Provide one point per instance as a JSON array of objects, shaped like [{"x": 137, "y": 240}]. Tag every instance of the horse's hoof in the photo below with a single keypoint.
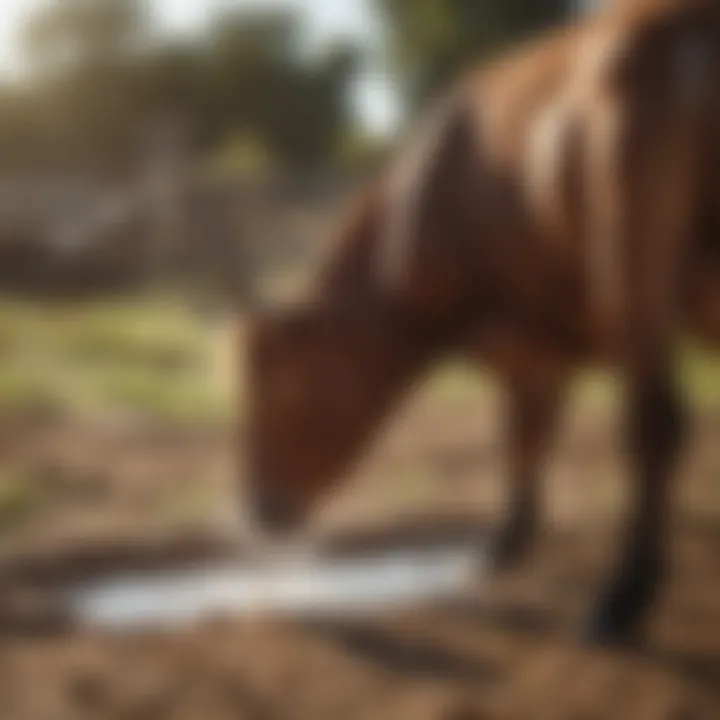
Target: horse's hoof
[
  {"x": 603, "y": 630},
  {"x": 511, "y": 546},
  {"x": 508, "y": 553},
  {"x": 618, "y": 619}
]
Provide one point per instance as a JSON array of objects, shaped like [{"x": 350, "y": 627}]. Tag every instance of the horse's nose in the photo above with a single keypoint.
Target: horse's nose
[{"x": 273, "y": 511}]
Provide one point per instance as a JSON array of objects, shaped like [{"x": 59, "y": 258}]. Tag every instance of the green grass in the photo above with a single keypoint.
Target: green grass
[
  {"x": 19, "y": 501},
  {"x": 459, "y": 384},
  {"x": 700, "y": 376},
  {"x": 153, "y": 358},
  {"x": 159, "y": 360}
]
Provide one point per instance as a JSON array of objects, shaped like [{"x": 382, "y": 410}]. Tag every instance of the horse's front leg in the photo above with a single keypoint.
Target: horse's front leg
[
  {"x": 646, "y": 180},
  {"x": 534, "y": 378},
  {"x": 533, "y": 403},
  {"x": 655, "y": 429}
]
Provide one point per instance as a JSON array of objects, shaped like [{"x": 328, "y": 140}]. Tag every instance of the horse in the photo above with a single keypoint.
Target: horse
[{"x": 554, "y": 208}]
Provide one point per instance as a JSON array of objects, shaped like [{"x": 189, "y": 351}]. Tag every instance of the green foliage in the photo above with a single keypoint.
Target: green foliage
[
  {"x": 103, "y": 80},
  {"x": 432, "y": 40},
  {"x": 80, "y": 32},
  {"x": 242, "y": 153},
  {"x": 261, "y": 84},
  {"x": 360, "y": 151},
  {"x": 85, "y": 91}
]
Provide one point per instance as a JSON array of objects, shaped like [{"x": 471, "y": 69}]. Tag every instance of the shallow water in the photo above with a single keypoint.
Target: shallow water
[{"x": 289, "y": 586}]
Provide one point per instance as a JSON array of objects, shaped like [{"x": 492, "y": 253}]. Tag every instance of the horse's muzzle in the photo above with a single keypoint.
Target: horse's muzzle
[{"x": 274, "y": 512}]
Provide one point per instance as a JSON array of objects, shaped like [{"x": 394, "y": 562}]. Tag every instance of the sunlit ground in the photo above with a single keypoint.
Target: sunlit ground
[
  {"x": 77, "y": 381},
  {"x": 116, "y": 421}
]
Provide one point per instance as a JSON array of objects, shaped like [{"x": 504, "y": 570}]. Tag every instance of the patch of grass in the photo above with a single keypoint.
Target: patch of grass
[
  {"x": 181, "y": 399},
  {"x": 22, "y": 393},
  {"x": 19, "y": 501},
  {"x": 153, "y": 357},
  {"x": 700, "y": 377},
  {"x": 457, "y": 384},
  {"x": 597, "y": 391},
  {"x": 153, "y": 336},
  {"x": 415, "y": 483}
]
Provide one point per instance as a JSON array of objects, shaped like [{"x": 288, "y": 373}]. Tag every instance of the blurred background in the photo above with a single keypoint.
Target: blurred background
[
  {"x": 141, "y": 139},
  {"x": 160, "y": 162}
]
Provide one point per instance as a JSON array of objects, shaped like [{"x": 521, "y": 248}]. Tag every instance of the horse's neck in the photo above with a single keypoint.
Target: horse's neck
[
  {"x": 349, "y": 288},
  {"x": 348, "y": 279}
]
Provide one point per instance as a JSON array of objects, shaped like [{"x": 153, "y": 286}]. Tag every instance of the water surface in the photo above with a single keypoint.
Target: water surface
[{"x": 290, "y": 586}]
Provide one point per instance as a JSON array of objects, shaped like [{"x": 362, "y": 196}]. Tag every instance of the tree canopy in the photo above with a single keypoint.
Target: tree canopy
[
  {"x": 102, "y": 79},
  {"x": 432, "y": 40}
]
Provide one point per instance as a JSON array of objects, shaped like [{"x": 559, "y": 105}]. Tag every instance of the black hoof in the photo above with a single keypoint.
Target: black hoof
[
  {"x": 511, "y": 546},
  {"x": 611, "y": 628},
  {"x": 620, "y": 615}
]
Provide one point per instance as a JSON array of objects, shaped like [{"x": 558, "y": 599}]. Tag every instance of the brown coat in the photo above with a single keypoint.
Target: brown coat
[{"x": 555, "y": 208}]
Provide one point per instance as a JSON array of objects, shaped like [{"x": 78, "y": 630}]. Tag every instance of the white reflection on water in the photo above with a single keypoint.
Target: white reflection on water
[{"x": 300, "y": 586}]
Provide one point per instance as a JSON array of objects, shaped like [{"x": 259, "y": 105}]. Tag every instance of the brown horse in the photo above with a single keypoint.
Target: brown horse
[{"x": 556, "y": 209}]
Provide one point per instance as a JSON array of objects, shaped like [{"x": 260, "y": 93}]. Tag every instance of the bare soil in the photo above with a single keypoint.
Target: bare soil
[{"x": 110, "y": 495}]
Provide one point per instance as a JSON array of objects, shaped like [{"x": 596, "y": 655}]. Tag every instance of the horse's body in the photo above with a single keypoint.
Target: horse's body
[{"x": 558, "y": 208}]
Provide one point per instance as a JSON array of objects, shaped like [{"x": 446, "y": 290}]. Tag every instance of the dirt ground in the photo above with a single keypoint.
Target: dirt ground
[{"x": 508, "y": 652}]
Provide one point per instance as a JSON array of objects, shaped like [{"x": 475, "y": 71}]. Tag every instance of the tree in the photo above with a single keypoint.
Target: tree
[
  {"x": 432, "y": 40},
  {"x": 105, "y": 86},
  {"x": 262, "y": 85},
  {"x": 83, "y": 57},
  {"x": 80, "y": 32}
]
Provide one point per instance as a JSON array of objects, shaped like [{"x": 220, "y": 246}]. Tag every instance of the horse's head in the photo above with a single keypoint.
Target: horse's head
[{"x": 319, "y": 383}]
